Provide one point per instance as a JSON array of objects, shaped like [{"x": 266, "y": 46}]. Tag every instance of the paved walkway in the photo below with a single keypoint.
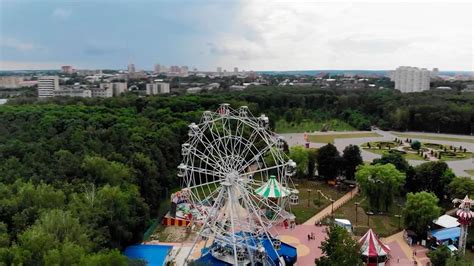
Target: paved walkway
[
  {"x": 403, "y": 254},
  {"x": 328, "y": 210},
  {"x": 307, "y": 250}
]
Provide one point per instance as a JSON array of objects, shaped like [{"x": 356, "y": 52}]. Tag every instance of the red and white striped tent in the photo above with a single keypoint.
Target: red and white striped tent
[{"x": 373, "y": 250}]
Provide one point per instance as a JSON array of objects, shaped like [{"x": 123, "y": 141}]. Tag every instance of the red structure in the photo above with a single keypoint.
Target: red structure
[{"x": 374, "y": 252}]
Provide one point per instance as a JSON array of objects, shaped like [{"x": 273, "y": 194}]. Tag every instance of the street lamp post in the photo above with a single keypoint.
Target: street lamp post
[
  {"x": 357, "y": 206},
  {"x": 309, "y": 193},
  {"x": 368, "y": 218}
]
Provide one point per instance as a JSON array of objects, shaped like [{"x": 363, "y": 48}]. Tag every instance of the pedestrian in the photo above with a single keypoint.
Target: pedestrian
[
  {"x": 308, "y": 237},
  {"x": 312, "y": 235}
]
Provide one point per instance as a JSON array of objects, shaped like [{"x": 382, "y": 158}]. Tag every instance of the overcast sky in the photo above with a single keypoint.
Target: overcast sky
[{"x": 252, "y": 35}]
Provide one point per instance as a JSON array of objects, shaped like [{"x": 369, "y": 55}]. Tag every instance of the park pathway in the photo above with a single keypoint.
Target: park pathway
[
  {"x": 402, "y": 253},
  {"x": 328, "y": 210}
]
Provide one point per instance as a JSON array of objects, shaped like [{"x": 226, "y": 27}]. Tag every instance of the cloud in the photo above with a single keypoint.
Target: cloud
[
  {"x": 22, "y": 65},
  {"x": 299, "y": 34},
  {"x": 61, "y": 13},
  {"x": 16, "y": 44}
]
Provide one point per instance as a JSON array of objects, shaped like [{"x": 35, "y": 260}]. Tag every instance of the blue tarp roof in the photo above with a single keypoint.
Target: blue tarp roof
[
  {"x": 154, "y": 255},
  {"x": 446, "y": 233}
]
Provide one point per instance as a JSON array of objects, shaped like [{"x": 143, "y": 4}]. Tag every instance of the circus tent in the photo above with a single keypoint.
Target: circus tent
[{"x": 373, "y": 250}]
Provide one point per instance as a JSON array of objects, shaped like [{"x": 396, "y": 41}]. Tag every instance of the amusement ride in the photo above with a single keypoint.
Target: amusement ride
[{"x": 236, "y": 187}]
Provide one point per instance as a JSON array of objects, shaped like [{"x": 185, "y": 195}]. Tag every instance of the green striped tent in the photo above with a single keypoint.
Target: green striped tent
[{"x": 272, "y": 189}]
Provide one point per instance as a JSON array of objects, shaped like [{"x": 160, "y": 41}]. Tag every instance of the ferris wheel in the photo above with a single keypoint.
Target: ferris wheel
[{"x": 237, "y": 181}]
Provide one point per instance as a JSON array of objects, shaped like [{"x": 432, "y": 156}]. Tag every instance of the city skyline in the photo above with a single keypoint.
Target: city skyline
[{"x": 250, "y": 35}]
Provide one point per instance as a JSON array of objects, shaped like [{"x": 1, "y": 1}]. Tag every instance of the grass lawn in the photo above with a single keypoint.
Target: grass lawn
[
  {"x": 329, "y": 138},
  {"x": 470, "y": 171},
  {"x": 310, "y": 126},
  {"x": 316, "y": 202},
  {"x": 384, "y": 225},
  {"x": 433, "y": 137}
]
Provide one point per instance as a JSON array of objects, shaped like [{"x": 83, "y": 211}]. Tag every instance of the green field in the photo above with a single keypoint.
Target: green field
[
  {"x": 310, "y": 126},
  {"x": 384, "y": 225},
  {"x": 316, "y": 202},
  {"x": 433, "y": 137},
  {"x": 329, "y": 138}
]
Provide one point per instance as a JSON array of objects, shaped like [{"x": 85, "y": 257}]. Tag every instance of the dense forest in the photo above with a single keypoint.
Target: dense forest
[{"x": 81, "y": 179}]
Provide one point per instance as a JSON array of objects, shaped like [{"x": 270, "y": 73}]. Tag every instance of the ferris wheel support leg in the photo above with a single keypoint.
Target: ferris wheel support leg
[
  {"x": 202, "y": 228},
  {"x": 248, "y": 202},
  {"x": 232, "y": 224}
]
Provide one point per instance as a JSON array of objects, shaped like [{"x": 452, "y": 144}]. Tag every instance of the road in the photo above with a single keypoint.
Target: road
[{"x": 457, "y": 166}]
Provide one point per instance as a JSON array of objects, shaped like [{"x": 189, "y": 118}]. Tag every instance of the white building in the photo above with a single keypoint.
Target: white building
[
  {"x": 236, "y": 70},
  {"x": 131, "y": 68},
  {"x": 411, "y": 79},
  {"x": 71, "y": 92},
  {"x": 157, "y": 88},
  {"x": 219, "y": 70},
  {"x": 157, "y": 69},
  {"x": 10, "y": 82},
  {"x": 47, "y": 85},
  {"x": 117, "y": 87},
  {"x": 102, "y": 92}
]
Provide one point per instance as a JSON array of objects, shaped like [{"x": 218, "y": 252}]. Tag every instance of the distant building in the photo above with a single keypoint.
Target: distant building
[
  {"x": 236, "y": 70},
  {"x": 47, "y": 85},
  {"x": 175, "y": 69},
  {"x": 72, "y": 92},
  {"x": 219, "y": 70},
  {"x": 131, "y": 68},
  {"x": 194, "y": 90},
  {"x": 10, "y": 82},
  {"x": 67, "y": 69},
  {"x": 157, "y": 69},
  {"x": 184, "y": 70},
  {"x": 411, "y": 79},
  {"x": 157, "y": 88},
  {"x": 102, "y": 92},
  {"x": 88, "y": 72},
  {"x": 117, "y": 87}
]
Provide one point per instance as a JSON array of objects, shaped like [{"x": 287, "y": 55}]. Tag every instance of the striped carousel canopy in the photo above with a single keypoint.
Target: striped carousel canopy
[
  {"x": 372, "y": 246},
  {"x": 272, "y": 189}
]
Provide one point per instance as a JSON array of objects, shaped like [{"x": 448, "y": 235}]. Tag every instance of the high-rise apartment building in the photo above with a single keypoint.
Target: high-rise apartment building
[
  {"x": 157, "y": 69},
  {"x": 47, "y": 85},
  {"x": 411, "y": 79},
  {"x": 219, "y": 70},
  {"x": 236, "y": 70},
  {"x": 67, "y": 69},
  {"x": 117, "y": 87},
  {"x": 131, "y": 68},
  {"x": 157, "y": 88}
]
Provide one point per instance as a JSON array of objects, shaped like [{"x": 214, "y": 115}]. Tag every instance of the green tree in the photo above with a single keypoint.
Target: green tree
[
  {"x": 101, "y": 171},
  {"x": 380, "y": 183},
  {"x": 299, "y": 154},
  {"x": 431, "y": 176},
  {"x": 440, "y": 255},
  {"x": 339, "y": 248},
  {"x": 420, "y": 209},
  {"x": 312, "y": 155},
  {"x": 416, "y": 145},
  {"x": 351, "y": 158},
  {"x": 394, "y": 158},
  {"x": 328, "y": 161},
  {"x": 460, "y": 187}
]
